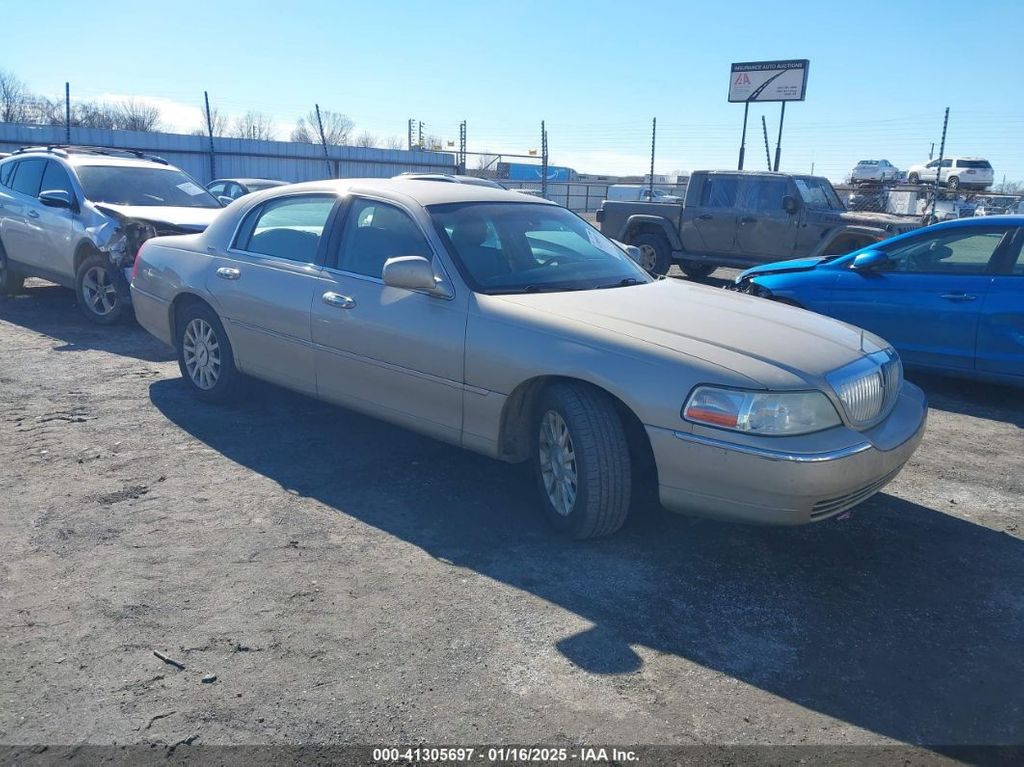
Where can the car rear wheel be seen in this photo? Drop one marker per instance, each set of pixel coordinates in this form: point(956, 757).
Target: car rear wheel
point(581, 461)
point(696, 269)
point(97, 293)
point(205, 357)
point(655, 252)
point(11, 281)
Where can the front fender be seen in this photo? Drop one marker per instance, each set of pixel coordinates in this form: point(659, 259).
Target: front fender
point(645, 220)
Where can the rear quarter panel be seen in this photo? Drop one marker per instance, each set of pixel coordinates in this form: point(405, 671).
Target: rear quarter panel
point(168, 267)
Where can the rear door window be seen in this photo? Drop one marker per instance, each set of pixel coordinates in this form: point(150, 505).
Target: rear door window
point(29, 176)
point(288, 228)
point(719, 192)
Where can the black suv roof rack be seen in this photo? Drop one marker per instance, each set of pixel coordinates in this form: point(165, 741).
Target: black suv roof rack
point(63, 150)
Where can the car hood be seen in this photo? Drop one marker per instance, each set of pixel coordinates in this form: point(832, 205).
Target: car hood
point(184, 220)
point(768, 343)
point(782, 267)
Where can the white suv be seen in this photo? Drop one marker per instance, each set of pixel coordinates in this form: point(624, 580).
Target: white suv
point(77, 216)
point(956, 172)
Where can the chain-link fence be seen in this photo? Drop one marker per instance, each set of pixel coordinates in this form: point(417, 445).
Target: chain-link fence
point(930, 202)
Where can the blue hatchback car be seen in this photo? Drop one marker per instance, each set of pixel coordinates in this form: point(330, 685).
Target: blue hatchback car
point(949, 297)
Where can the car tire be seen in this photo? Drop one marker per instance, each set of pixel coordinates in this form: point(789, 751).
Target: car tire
point(655, 252)
point(581, 461)
point(205, 357)
point(11, 282)
point(953, 182)
point(913, 178)
point(96, 292)
point(696, 270)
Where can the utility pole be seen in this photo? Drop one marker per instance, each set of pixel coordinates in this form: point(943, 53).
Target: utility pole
point(743, 137)
point(543, 161)
point(209, 133)
point(323, 142)
point(931, 151)
point(462, 147)
point(420, 144)
point(654, 136)
point(411, 123)
point(67, 113)
point(938, 170)
point(767, 151)
point(778, 145)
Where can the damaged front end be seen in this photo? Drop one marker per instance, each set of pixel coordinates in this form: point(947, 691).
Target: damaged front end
point(120, 238)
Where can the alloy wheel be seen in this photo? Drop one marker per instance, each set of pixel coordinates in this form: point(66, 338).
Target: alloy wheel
point(201, 351)
point(99, 292)
point(648, 257)
point(558, 463)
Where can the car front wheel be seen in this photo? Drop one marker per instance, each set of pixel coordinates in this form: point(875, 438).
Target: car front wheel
point(913, 178)
point(954, 182)
point(581, 461)
point(97, 293)
point(205, 357)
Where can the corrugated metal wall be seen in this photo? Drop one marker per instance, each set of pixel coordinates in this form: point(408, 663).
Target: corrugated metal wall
point(238, 158)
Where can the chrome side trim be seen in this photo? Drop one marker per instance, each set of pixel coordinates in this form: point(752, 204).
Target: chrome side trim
point(775, 455)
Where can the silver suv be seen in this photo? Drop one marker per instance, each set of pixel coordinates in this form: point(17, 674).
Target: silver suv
point(78, 215)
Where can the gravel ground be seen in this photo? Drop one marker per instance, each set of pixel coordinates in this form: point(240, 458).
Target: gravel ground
point(348, 581)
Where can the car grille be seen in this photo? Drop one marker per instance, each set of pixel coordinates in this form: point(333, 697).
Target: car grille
point(832, 506)
point(868, 388)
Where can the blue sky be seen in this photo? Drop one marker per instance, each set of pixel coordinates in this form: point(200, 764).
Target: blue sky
point(597, 72)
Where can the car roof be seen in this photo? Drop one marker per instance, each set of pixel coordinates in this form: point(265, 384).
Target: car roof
point(272, 181)
point(407, 188)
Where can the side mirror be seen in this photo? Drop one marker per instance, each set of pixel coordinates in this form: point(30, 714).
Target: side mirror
point(55, 198)
point(409, 272)
point(868, 260)
point(224, 200)
point(630, 250)
point(789, 204)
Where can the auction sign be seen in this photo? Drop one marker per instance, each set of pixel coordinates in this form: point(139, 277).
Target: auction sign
point(768, 80)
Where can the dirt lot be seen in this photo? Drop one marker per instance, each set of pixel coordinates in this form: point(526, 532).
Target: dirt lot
point(348, 581)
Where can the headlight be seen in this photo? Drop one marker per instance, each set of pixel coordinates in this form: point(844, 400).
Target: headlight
point(755, 412)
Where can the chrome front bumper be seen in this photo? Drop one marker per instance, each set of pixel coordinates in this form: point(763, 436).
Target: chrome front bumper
point(786, 480)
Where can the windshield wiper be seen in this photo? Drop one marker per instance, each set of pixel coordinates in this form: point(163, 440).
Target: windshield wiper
point(623, 283)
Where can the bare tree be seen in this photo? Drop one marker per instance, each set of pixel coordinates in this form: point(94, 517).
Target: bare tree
point(394, 142)
point(217, 119)
point(133, 114)
point(89, 114)
point(367, 140)
point(486, 162)
point(337, 128)
point(14, 99)
point(254, 125)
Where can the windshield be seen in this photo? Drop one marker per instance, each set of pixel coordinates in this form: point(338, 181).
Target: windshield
point(818, 193)
point(138, 185)
point(528, 247)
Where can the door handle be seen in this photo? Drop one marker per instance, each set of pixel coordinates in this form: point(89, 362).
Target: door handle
point(33, 214)
point(705, 217)
point(338, 300)
point(958, 297)
point(748, 220)
point(228, 273)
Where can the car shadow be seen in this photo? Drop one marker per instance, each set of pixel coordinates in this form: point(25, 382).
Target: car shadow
point(51, 310)
point(994, 402)
point(900, 620)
